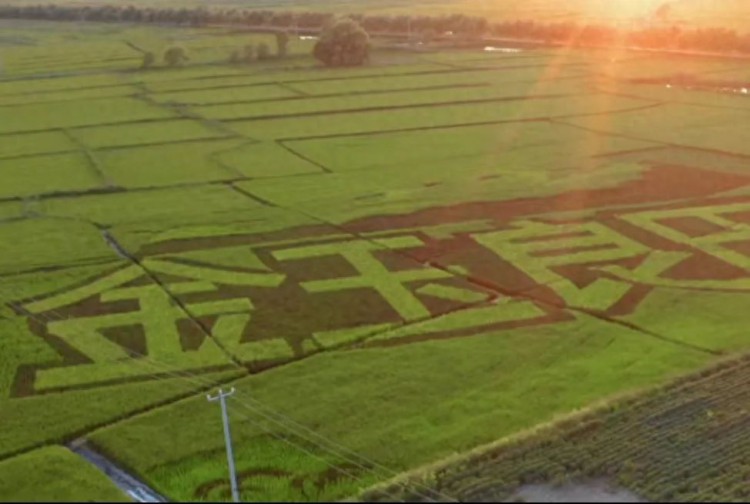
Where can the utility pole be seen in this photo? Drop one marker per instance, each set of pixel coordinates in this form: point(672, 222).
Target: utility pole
point(222, 398)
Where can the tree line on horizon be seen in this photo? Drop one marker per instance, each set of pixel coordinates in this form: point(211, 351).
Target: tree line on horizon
point(424, 28)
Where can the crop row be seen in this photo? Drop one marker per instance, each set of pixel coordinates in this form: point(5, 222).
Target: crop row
point(699, 457)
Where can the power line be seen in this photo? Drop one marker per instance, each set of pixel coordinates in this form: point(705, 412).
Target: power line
point(324, 444)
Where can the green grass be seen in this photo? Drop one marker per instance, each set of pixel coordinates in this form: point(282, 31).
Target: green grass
point(44, 419)
point(55, 474)
point(197, 79)
point(105, 91)
point(266, 159)
point(28, 87)
point(138, 217)
point(334, 244)
point(631, 442)
point(35, 143)
point(98, 137)
point(531, 73)
point(45, 116)
point(499, 383)
point(476, 90)
point(341, 197)
point(19, 347)
point(713, 320)
point(49, 173)
point(685, 125)
point(280, 485)
point(433, 116)
point(249, 93)
point(500, 148)
point(165, 165)
point(36, 243)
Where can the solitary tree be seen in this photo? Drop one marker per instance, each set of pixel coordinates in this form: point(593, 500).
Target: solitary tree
point(175, 56)
point(282, 43)
point(264, 52)
point(343, 43)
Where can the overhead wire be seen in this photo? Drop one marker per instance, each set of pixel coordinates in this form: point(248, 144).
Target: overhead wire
point(292, 426)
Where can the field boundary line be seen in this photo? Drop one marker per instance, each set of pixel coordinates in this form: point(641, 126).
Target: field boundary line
point(736, 155)
point(289, 87)
point(249, 195)
point(183, 112)
point(94, 163)
point(552, 119)
point(602, 90)
point(336, 95)
point(395, 107)
point(289, 149)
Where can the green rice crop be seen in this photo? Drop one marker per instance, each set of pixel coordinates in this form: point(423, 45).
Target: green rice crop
point(55, 474)
point(35, 143)
point(162, 165)
point(50, 173)
point(98, 137)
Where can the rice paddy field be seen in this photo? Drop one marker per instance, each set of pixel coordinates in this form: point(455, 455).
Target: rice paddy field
point(391, 264)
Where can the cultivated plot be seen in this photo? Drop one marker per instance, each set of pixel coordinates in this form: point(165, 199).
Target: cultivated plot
point(406, 252)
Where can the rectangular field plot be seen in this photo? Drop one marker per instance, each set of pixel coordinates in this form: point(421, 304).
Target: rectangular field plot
point(67, 95)
point(52, 173)
point(712, 320)
point(97, 137)
point(194, 79)
point(701, 416)
point(666, 66)
point(247, 93)
point(161, 165)
point(467, 150)
point(167, 207)
point(523, 73)
point(685, 125)
point(722, 96)
point(266, 159)
point(34, 143)
point(399, 98)
point(433, 116)
point(56, 84)
point(37, 243)
point(45, 116)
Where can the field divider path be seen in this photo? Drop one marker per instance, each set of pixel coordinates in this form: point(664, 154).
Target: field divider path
point(289, 87)
point(340, 94)
point(289, 149)
point(94, 162)
point(396, 107)
point(550, 119)
point(183, 111)
point(561, 121)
